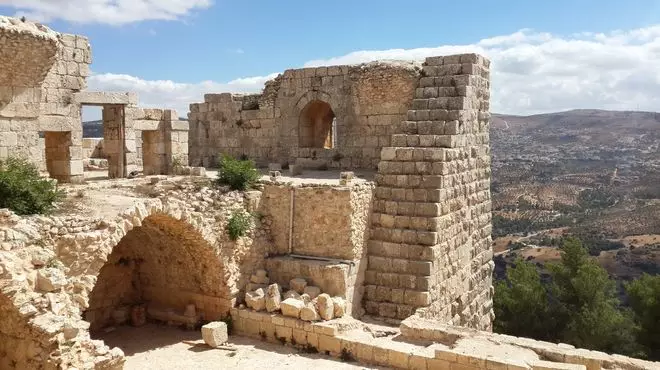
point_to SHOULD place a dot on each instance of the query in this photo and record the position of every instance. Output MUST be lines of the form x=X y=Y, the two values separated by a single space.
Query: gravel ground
x=160 y=347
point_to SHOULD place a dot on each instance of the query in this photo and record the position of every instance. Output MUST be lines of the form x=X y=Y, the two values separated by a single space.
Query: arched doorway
x=317 y=126
x=164 y=267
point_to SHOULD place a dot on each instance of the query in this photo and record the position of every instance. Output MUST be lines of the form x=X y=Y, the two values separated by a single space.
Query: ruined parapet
x=430 y=244
x=27 y=52
x=40 y=70
x=161 y=140
x=329 y=117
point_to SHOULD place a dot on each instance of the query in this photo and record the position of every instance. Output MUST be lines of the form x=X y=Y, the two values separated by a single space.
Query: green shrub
x=237 y=174
x=22 y=189
x=238 y=224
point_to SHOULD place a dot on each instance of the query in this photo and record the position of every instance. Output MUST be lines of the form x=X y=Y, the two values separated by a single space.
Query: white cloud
x=531 y=72
x=114 y=12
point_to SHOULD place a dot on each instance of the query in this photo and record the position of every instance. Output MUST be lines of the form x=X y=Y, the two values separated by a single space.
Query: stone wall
x=54 y=270
x=430 y=245
x=40 y=70
x=292 y=120
x=425 y=344
x=161 y=140
x=328 y=221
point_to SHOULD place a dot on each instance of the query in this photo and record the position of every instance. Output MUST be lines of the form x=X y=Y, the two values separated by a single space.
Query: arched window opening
x=317 y=126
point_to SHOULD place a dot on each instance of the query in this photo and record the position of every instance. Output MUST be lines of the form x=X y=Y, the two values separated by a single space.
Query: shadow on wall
x=163 y=265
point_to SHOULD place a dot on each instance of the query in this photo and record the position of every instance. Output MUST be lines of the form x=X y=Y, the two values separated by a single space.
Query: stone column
x=113 y=140
x=430 y=244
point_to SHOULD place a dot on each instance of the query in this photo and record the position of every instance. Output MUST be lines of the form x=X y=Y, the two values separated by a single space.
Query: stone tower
x=430 y=247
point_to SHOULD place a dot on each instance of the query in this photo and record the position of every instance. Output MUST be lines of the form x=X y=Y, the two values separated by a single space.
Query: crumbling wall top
x=27 y=51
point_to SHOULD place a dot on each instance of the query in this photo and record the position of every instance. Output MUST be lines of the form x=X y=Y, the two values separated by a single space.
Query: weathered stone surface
x=260 y=278
x=312 y=291
x=256 y=300
x=309 y=313
x=291 y=307
x=273 y=298
x=298 y=284
x=305 y=298
x=339 y=306
x=50 y=279
x=215 y=333
x=292 y=294
x=325 y=306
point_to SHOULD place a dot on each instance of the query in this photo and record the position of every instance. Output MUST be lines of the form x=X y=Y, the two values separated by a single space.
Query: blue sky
x=217 y=41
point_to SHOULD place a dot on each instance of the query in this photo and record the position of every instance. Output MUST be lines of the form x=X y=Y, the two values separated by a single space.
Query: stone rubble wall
x=424 y=344
x=40 y=70
x=52 y=270
x=92 y=148
x=430 y=246
x=328 y=221
x=367 y=100
x=160 y=140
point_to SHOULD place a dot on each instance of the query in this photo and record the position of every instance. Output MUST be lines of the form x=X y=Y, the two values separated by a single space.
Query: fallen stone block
x=256 y=300
x=50 y=279
x=325 y=306
x=198 y=171
x=274 y=167
x=292 y=294
x=251 y=287
x=309 y=313
x=295 y=170
x=215 y=333
x=273 y=298
x=298 y=284
x=312 y=291
x=274 y=175
x=259 y=279
x=291 y=307
x=339 y=306
x=305 y=298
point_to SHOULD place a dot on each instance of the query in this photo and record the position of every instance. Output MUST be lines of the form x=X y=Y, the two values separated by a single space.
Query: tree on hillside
x=579 y=306
x=644 y=298
x=521 y=304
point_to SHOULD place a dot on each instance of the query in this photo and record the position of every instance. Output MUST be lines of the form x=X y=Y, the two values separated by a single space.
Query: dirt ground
x=160 y=347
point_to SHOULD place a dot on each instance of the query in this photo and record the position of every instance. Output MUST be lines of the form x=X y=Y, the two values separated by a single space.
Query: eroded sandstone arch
x=164 y=263
x=50 y=267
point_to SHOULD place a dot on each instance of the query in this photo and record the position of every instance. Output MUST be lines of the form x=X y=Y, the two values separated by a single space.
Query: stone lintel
x=101 y=98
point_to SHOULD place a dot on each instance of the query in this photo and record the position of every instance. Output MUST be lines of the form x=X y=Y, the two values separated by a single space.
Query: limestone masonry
x=390 y=265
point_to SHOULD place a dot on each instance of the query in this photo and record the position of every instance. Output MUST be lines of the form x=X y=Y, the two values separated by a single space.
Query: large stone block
x=215 y=333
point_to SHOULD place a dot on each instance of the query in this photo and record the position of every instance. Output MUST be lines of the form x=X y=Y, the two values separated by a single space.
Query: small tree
x=589 y=314
x=22 y=189
x=521 y=303
x=237 y=174
x=644 y=298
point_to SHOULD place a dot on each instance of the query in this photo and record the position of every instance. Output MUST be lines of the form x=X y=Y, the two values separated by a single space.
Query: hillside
x=590 y=173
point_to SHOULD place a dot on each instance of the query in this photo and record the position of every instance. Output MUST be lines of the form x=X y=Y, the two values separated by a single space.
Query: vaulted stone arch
x=164 y=263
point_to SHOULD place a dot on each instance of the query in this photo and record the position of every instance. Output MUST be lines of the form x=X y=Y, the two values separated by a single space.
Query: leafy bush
x=237 y=174
x=239 y=224
x=22 y=189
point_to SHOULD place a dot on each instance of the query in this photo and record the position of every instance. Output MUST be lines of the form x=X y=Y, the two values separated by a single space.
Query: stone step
x=397 y=281
x=425 y=168
x=430 y=210
x=407 y=222
x=441 y=139
x=405 y=236
x=399 y=250
x=411 y=297
x=439 y=122
x=389 y=310
x=400 y=266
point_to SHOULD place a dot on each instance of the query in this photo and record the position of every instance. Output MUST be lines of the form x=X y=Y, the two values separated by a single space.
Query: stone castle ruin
x=391 y=269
